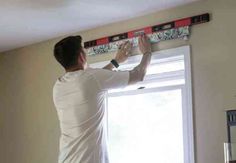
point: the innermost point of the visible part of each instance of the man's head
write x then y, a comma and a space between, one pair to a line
70, 53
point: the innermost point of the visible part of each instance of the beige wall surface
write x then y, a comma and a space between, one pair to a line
28, 121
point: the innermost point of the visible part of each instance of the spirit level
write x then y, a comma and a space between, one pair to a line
150, 30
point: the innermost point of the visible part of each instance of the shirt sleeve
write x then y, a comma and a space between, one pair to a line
108, 79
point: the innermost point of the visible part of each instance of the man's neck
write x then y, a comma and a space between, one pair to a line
77, 68
74, 69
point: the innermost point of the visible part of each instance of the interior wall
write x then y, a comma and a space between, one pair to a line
29, 124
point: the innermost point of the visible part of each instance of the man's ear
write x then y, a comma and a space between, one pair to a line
81, 58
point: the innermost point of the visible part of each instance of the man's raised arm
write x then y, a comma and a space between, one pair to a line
138, 73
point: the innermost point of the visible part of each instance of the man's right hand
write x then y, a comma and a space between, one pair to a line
144, 44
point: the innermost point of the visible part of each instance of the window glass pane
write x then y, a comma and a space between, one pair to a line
166, 67
162, 72
160, 67
146, 128
153, 84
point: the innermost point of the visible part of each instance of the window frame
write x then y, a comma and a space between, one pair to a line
186, 90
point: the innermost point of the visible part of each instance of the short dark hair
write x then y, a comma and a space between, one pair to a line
67, 51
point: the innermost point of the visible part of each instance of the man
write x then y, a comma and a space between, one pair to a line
79, 96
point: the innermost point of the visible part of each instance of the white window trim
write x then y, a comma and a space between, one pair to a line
189, 103
165, 55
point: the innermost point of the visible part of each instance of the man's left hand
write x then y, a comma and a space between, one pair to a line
123, 52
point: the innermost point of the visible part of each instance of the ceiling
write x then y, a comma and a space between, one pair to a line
25, 22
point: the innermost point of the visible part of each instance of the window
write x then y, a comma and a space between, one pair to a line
151, 121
